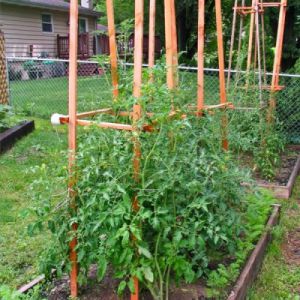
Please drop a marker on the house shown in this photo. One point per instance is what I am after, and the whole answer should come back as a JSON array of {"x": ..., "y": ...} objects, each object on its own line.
[
  {"x": 102, "y": 43},
  {"x": 40, "y": 28}
]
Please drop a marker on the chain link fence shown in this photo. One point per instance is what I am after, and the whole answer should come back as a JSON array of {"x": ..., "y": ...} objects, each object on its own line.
[{"x": 39, "y": 87}]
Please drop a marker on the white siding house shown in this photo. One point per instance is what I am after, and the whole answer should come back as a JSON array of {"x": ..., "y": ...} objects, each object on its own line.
[{"x": 32, "y": 27}]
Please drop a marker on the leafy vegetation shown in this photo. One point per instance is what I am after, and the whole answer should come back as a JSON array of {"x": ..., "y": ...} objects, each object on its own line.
[
  {"x": 190, "y": 201},
  {"x": 7, "y": 117},
  {"x": 187, "y": 28},
  {"x": 257, "y": 142},
  {"x": 18, "y": 252}
]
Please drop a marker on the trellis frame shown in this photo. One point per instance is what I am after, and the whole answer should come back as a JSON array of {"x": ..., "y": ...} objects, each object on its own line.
[
  {"x": 257, "y": 8},
  {"x": 74, "y": 119}
]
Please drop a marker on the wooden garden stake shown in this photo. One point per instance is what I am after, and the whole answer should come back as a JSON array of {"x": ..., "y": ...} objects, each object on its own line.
[
  {"x": 250, "y": 44},
  {"x": 277, "y": 61},
  {"x": 151, "y": 54},
  {"x": 223, "y": 98},
  {"x": 112, "y": 46},
  {"x": 72, "y": 136},
  {"x": 174, "y": 44},
  {"x": 169, "y": 44},
  {"x": 232, "y": 43},
  {"x": 137, "y": 111},
  {"x": 201, "y": 40},
  {"x": 258, "y": 51}
]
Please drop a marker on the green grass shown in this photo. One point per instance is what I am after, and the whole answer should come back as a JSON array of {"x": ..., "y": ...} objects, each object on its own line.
[
  {"x": 19, "y": 253},
  {"x": 44, "y": 97},
  {"x": 279, "y": 280}
]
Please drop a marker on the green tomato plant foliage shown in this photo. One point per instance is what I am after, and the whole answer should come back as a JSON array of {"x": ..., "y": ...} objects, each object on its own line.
[
  {"x": 250, "y": 132},
  {"x": 190, "y": 201}
]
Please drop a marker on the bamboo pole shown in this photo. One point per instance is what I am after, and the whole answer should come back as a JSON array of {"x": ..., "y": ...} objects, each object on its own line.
[
  {"x": 223, "y": 98},
  {"x": 151, "y": 54},
  {"x": 277, "y": 60},
  {"x": 250, "y": 44},
  {"x": 137, "y": 111},
  {"x": 262, "y": 19},
  {"x": 232, "y": 43},
  {"x": 201, "y": 41},
  {"x": 258, "y": 49},
  {"x": 72, "y": 137},
  {"x": 112, "y": 46},
  {"x": 239, "y": 60}
]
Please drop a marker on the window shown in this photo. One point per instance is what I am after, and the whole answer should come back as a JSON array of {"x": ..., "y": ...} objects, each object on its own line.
[
  {"x": 47, "y": 24},
  {"x": 83, "y": 26}
]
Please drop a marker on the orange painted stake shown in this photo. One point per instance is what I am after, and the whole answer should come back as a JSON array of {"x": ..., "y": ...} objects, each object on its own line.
[
  {"x": 223, "y": 98},
  {"x": 137, "y": 111},
  {"x": 72, "y": 136},
  {"x": 112, "y": 46},
  {"x": 151, "y": 54},
  {"x": 174, "y": 44},
  {"x": 277, "y": 61},
  {"x": 201, "y": 40},
  {"x": 169, "y": 44}
]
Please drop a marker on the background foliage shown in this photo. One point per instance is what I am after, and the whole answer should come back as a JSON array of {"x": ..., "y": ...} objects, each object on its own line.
[{"x": 187, "y": 27}]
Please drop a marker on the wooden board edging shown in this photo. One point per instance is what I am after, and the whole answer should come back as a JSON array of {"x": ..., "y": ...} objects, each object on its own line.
[
  {"x": 255, "y": 260},
  {"x": 9, "y": 137},
  {"x": 281, "y": 191}
]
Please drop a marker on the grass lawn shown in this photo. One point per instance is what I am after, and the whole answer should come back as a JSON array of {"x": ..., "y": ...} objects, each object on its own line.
[
  {"x": 19, "y": 252},
  {"x": 279, "y": 279},
  {"x": 43, "y": 97}
]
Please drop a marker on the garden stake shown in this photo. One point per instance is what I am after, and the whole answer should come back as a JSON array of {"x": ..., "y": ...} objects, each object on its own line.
[
  {"x": 174, "y": 44},
  {"x": 151, "y": 54},
  {"x": 112, "y": 46},
  {"x": 257, "y": 35},
  {"x": 250, "y": 44},
  {"x": 223, "y": 98},
  {"x": 201, "y": 40},
  {"x": 277, "y": 61},
  {"x": 239, "y": 44},
  {"x": 232, "y": 43},
  {"x": 72, "y": 137},
  {"x": 169, "y": 45},
  {"x": 137, "y": 111}
]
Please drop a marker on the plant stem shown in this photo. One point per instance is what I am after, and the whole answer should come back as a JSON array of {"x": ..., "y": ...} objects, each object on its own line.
[{"x": 161, "y": 282}]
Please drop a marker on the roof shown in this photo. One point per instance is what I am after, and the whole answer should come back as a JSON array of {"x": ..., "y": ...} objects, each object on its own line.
[
  {"x": 101, "y": 27},
  {"x": 52, "y": 5}
]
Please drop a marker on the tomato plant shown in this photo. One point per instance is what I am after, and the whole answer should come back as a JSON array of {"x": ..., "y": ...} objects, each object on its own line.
[{"x": 190, "y": 201}]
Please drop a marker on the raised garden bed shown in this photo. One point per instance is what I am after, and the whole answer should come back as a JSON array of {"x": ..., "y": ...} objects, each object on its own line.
[
  {"x": 107, "y": 288},
  {"x": 286, "y": 174},
  {"x": 9, "y": 137}
]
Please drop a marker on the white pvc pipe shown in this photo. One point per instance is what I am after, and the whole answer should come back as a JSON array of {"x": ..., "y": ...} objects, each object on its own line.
[{"x": 55, "y": 119}]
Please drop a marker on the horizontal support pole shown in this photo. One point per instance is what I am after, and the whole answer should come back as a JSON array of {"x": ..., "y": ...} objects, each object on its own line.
[
  {"x": 95, "y": 112},
  {"x": 217, "y": 106},
  {"x": 264, "y": 87},
  {"x": 108, "y": 125}
]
